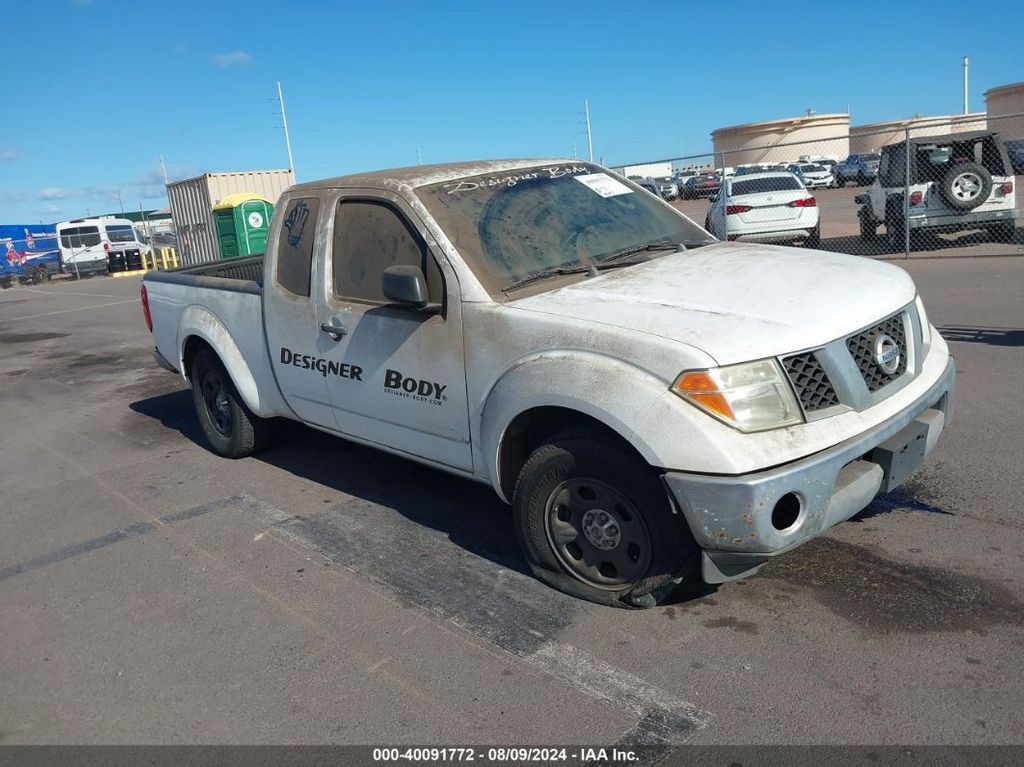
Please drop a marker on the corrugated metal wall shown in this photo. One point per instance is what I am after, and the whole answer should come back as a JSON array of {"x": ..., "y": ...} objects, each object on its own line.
[{"x": 192, "y": 201}]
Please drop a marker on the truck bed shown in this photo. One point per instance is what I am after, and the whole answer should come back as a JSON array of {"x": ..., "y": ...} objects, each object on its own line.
[{"x": 242, "y": 275}]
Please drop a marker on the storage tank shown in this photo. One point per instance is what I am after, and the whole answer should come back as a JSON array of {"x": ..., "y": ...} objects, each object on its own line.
[
  {"x": 1002, "y": 101},
  {"x": 192, "y": 201},
  {"x": 785, "y": 140},
  {"x": 872, "y": 137}
]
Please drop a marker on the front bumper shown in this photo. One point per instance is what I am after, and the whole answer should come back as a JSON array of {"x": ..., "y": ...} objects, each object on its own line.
[{"x": 734, "y": 519}]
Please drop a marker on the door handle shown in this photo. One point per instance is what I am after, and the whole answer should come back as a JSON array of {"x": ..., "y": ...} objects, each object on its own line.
[{"x": 334, "y": 331}]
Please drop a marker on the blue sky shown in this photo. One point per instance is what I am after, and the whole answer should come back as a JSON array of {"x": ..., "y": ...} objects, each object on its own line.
[{"x": 94, "y": 91}]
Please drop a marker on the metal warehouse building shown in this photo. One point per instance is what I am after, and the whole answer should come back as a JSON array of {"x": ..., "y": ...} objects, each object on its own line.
[
  {"x": 873, "y": 136},
  {"x": 1006, "y": 100},
  {"x": 782, "y": 140}
]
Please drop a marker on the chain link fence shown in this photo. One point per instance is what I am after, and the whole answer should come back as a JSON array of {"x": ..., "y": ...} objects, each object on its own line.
[{"x": 929, "y": 187}]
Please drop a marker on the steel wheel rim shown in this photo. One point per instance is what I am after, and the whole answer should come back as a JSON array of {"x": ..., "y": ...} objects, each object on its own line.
[
  {"x": 967, "y": 186},
  {"x": 597, "y": 535},
  {"x": 215, "y": 397}
]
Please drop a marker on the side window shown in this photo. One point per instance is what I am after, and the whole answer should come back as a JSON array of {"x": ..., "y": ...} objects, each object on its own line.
[
  {"x": 295, "y": 245},
  {"x": 90, "y": 236},
  {"x": 69, "y": 238},
  {"x": 368, "y": 238}
]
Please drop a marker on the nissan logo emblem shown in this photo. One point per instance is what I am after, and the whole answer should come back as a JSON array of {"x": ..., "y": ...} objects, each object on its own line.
[{"x": 887, "y": 354}]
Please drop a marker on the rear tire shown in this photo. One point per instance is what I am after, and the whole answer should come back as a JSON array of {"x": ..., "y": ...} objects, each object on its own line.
[
  {"x": 840, "y": 181},
  {"x": 868, "y": 229},
  {"x": 230, "y": 427},
  {"x": 594, "y": 522}
]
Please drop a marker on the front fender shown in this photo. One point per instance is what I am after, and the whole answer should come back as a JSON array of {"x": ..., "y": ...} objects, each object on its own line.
[{"x": 611, "y": 391}]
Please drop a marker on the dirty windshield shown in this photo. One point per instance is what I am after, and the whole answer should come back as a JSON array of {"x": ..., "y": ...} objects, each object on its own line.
[{"x": 512, "y": 225}]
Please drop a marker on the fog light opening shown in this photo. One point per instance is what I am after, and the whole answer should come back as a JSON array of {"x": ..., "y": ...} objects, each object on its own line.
[{"x": 786, "y": 511}]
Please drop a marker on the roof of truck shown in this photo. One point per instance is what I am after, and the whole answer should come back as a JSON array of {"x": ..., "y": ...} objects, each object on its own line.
[{"x": 421, "y": 175}]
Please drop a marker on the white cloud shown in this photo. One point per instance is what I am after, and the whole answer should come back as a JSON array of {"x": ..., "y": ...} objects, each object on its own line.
[
  {"x": 7, "y": 154},
  {"x": 233, "y": 59},
  {"x": 49, "y": 209},
  {"x": 53, "y": 193}
]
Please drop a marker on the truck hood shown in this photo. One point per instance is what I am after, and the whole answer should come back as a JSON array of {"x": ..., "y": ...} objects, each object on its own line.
[{"x": 736, "y": 301}]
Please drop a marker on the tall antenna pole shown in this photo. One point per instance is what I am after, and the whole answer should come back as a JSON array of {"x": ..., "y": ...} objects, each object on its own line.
[
  {"x": 163, "y": 169},
  {"x": 967, "y": 66},
  {"x": 284, "y": 122},
  {"x": 590, "y": 142}
]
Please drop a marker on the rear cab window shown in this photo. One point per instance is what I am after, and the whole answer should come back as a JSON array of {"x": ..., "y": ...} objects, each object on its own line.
[{"x": 295, "y": 245}]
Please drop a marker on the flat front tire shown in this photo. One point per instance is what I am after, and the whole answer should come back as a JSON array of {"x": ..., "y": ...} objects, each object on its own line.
[
  {"x": 595, "y": 522},
  {"x": 230, "y": 428}
]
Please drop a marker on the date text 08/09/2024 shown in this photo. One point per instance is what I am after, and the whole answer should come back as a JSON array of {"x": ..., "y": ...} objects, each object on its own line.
[{"x": 502, "y": 754}]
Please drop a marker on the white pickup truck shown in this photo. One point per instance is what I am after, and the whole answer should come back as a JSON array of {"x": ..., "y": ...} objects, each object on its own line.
[{"x": 654, "y": 404}]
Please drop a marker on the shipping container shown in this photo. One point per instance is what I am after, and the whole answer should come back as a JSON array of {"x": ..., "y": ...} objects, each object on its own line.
[{"x": 192, "y": 200}]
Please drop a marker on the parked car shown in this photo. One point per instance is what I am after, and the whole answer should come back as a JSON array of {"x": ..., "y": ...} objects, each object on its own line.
[
  {"x": 957, "y": 181},
  {"x": 765, "y": 207},
  {"x": 667, "y": 188},
  {"x": 812, "y": 175},
  {"x": 649, "y": 184},
  {"x": 704, "y": 185},
  {"x": 660, "y": 406},
  {"x": 857, "y": 169},
  {"x": 746, "y": 170}
]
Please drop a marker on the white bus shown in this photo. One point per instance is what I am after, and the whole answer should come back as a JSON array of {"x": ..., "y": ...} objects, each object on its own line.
[{"x": 99, "y": 245}]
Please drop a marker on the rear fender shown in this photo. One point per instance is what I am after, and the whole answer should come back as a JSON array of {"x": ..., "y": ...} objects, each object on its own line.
[{"x": 200, "y": 322}]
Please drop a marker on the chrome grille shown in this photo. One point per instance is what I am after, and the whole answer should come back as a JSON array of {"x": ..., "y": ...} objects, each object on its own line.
[
  {"x": 862, "y": 349},
  {"x": 811, "y": 382}
]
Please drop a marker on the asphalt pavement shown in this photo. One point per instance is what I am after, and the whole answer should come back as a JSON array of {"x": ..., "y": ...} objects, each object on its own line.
[{"x": 323, "y": 592}]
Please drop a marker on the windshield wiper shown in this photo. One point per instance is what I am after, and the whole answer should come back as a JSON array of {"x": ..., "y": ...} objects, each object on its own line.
[
  {"x": 545, "y": 273},
  {"x": 662, "y": 244}
]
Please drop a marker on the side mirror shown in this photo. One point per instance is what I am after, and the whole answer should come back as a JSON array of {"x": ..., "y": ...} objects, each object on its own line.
[{"x": 405, "y": 285}]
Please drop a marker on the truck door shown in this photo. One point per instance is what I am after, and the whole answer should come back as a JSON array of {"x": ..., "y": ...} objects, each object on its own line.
[
  {"x": 295, "y": 343},
  {"x": 396, "y": 375}
]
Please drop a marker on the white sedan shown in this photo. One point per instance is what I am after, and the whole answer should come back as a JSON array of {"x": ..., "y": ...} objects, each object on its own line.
[
  {"x": 813, "y": 175},
  {"x": 765, "y": 207}
]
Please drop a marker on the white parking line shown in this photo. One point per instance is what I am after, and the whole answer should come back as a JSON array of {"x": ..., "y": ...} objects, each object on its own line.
[
  {"x": 68, "y": 311},
  {"x": 661, "y": 718},
  {"x": 59, "y": 292}
]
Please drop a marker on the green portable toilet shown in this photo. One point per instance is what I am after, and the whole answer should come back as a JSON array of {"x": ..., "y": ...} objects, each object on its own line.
[{"x": 241, "y": 221}]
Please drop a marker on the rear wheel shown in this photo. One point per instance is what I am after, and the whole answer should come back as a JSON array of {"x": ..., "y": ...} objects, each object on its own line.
[
  {"x": 595, "y": 523},
  {"x": 814, "y": 240},
  {"x": 231, "y": 429},
  {"x": 840, "y": 181},
  {"x": 868, "y": 228}
]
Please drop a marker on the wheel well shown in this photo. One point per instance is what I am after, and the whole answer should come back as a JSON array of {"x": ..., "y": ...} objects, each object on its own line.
[
  {"x": 532, "y": 428},
  {"x": 193, "y": 344}
]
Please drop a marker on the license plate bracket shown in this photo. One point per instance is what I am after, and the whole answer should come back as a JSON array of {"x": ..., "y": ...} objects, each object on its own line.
[{"x": 901, "y": 455}]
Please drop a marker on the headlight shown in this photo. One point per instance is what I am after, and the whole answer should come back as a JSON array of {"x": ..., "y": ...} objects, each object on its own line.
[
  {"x": 754, "y": 396},
  {"x": 926, "y": 329}
]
